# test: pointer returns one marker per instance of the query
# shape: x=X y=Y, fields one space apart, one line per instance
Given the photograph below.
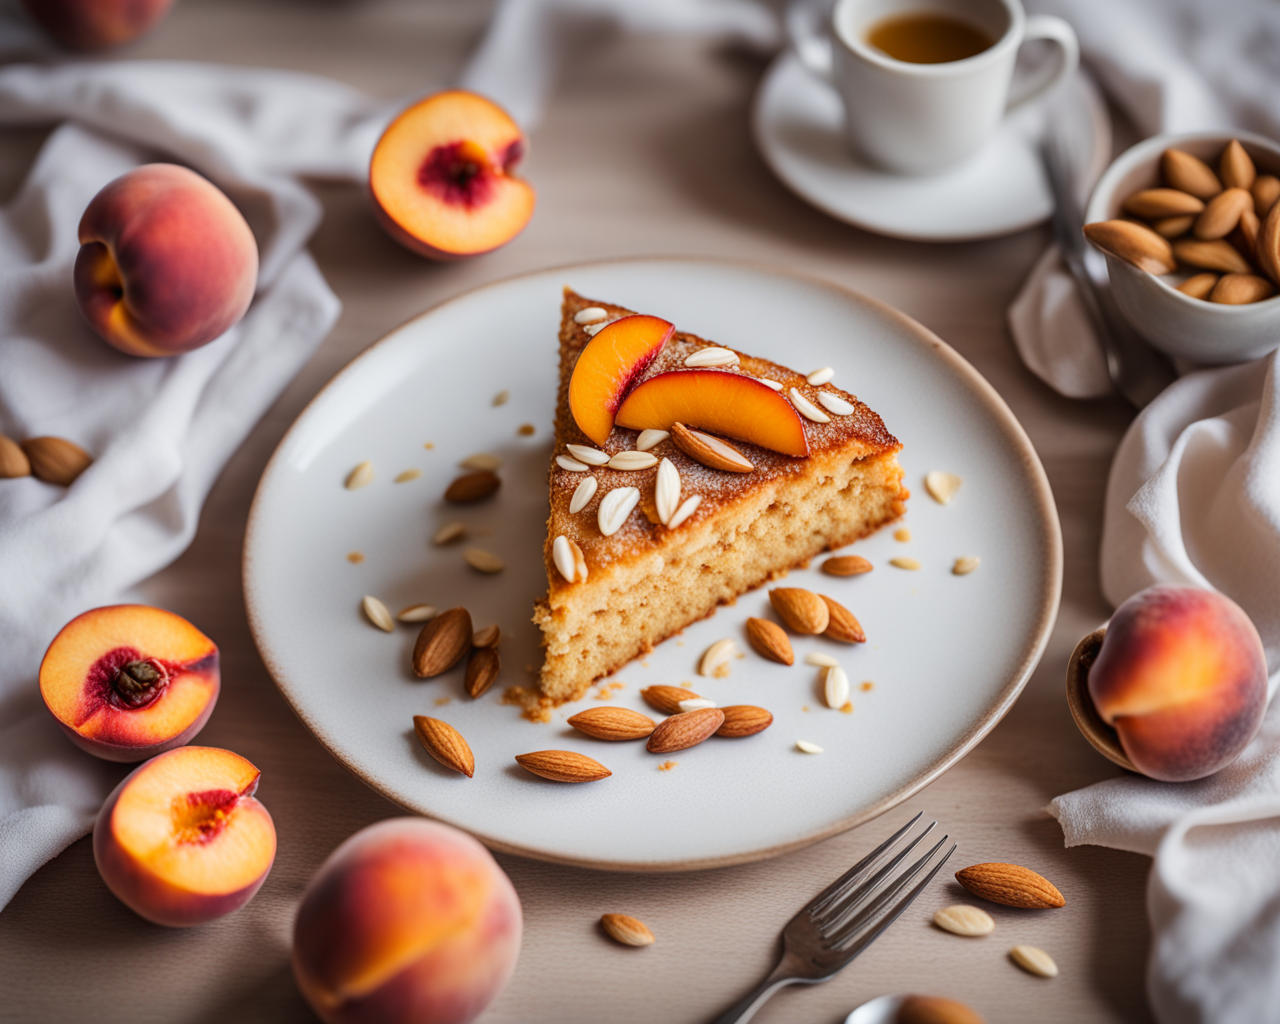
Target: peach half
x=166 y=262
x=609 y=365
x=408 y=922
x=127 y=681
x=442 y=177
x=1182 y=678
x=88 y=25
x=182 y=840
x=725 y=403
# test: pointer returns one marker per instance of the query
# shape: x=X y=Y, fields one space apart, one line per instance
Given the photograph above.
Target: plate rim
x=1049 y=597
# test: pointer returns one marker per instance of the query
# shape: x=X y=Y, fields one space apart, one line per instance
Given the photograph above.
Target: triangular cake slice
x=621 y=582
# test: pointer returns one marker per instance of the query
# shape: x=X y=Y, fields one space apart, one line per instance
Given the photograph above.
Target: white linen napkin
x=161 y=429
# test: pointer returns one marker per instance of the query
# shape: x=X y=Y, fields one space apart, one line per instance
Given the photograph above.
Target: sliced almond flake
x=942 y=487
x=835 y=687
x=820 y=376
x=596 y=328
x=450 y=532
x=904 y=563
x=695 y=704
x=584 y=453
x=572 y=465
x=712 y=356
x=501 y=398
x=584 y=493
x=716 y=657
x=633 y=460
x=770 y=383
x=807 y=409
x=407 y=475
x=615 y=507
x=590 y=315
x=686 y=509
x=579 y=562
x=377 y=613
x=962 y=919
x=481 y=460
x=966 y=565
x=805 y=747
x=484 y=561
x=417 y=613
x=834 y=403
x=359 y=477
x=820 y=659
x=562 y=555
x=666 y=491
x=1035 y=961
x=649 y=438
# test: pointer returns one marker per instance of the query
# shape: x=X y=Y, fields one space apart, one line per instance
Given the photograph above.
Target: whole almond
x=1188 y=173
x=666 y=698
x=13 y=460
x=743 y=720
x=613 y=724
x=1158 y=203
x=1235 y=168
x=1199 y=286
x=935 y=1010
x=964 y=920
x=802 y=610
x=768 y=640
x=482 y=669
x=55 y=460
x=1172 y=227
x=1213 y=255
x=710 y=451
x=473 y=486
x=1222 y=214
x=1266 y=190
x=846 y=565
x=1240 y=289
x=563 y=766
x=1010 y=884
x=841 y=624
x=443 y=742
x=1267 y=250
x=1132 y=243
x=442 y=643
x=626 y=929
x=487 y=637
x=688 y=729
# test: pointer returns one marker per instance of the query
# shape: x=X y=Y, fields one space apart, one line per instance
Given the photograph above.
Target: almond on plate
x=768 y=640
x=743 y=720
x=666 y=698
x=626 y=929
x=688 y=729
x=443 y=742
x=442 y=643
x=563 y=766
x=613 y=723
x=801 y=610
x=1011 y=885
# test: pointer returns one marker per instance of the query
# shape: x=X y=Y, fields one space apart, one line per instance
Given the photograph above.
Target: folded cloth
x=160 y=429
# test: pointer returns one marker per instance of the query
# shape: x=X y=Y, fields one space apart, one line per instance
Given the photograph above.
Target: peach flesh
x=608 y=366
x=1182 y=678
x=182 y=840
x=88 y=25
x=407 y=921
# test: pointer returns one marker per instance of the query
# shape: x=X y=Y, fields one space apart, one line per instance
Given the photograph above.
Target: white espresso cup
x=924 y=118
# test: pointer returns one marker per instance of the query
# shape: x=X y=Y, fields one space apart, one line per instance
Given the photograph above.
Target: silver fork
x=844 y=919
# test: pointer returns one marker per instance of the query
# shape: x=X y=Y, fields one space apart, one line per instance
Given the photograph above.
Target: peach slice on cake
x=608 y=366
x=127 y=681
x=442 y=177
x=182 y=840
x=720 y=401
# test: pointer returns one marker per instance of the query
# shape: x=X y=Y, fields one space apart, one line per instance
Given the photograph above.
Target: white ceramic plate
x=947 y=654
x=798 y=127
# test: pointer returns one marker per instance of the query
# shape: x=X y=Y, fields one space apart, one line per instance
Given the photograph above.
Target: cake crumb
x=527 y=430
x=429 y=445
x=721 y=672
x=442 y=701
x=355 y=557
x=902 y=534
x=501 y=398
x=534 y=706
x=666 y=766
x=607 y=690
x=867 y=686
x=804 y=707
x=847 y=708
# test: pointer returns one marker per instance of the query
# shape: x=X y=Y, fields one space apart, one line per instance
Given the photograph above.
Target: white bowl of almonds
x=1190 y=228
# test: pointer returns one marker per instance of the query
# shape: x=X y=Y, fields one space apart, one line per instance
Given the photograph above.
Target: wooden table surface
x=645 y=150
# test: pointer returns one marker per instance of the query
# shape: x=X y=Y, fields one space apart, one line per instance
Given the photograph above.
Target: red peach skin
x=87 y=25
x=408 y=922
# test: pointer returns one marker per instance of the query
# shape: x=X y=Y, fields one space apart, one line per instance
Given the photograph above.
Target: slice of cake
x=685 y=474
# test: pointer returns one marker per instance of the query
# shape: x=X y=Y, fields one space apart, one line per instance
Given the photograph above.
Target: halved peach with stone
x=442 y=177
x=182 y=840
x=609 y=365
x=128 y=681
x=722 y=402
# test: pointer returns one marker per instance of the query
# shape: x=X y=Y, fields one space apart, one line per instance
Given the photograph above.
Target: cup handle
x=807 y=22
x=1055 y=30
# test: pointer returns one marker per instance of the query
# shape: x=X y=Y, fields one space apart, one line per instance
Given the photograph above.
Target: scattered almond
x=417 y=613
x=473 y=487
x=841 y=624
x=487 y=637
x=666 y=698
x=629 y=461
x=615 y=507
x=710 y=451
x=696 y=704
x=965 y=565
x=1011 y=885
x=687 y=508
x=835 y=687
x=55 y=460
x=359 y=477
x=585 y=453
x=801 y=610
x=481 y=460
x=715 y=660
x=1034 y=960
x=743 y=720
x=442 y=643
x=768 y=640
x=805 y=747
x=942 y=487
x=909 y=564
x=1240 y=289
x=482 y=669
x=450 y=532
x=1222 y=214
x=563 y=766
x=1133 y=243
x=806 y=408
x=1198 y=286
x=613 y=723
x=407 y=475
x=13 y=460
x=1212 y=255
x=846 y=565
x=582 y=494
x=902 y=535
x=688 y=729
x=627 y=930
x=935 y=1010
x=443 y=742
x=483 y=561
x=650 y=438
x=964 y=920
x=501 y=398
x=1235 y=167
x=712 y=355
x=820 y=659
x=376 y=612
x=1189 y=174
x=819 y=377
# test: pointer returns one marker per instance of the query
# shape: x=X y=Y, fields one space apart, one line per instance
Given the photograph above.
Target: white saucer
x=798 y=127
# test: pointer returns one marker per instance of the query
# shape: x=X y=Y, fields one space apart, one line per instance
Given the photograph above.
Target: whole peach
x=409 y=920
x=166 y=262
x=1182 y=678
x=96 y=24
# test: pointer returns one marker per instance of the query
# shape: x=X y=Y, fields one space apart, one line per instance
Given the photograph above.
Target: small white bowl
x=1204 y=332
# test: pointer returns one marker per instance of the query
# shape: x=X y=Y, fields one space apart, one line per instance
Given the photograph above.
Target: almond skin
x=563 y=766
x=1214 y=255
x=13 y=460
x=688 y=729
x=1235 y=167
x=666 y=698
x=627 y=930
x=934 y=1010
x=1158 y=203
x=1172 y=227
x=1132 y=243
x=1011 y=885
x=1240 y=289
x=443 y=742
x=482 y=669
x=613 y=724
x=55 y=460
x=768 y=640
x=846 y=565
x=1189 y=174
x=1267 y=250
x=1222 y=214
x=695 y=444
x=743 y=720
x=1265 y=190
x=472 y=487
x=442 y=643
x=1199 y=286
x=487 y=637
x=802 y=610
x=842 y=625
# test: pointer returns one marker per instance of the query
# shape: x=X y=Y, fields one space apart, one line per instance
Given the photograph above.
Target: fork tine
x=838 y=888
x=838 y=938
x=842 y=907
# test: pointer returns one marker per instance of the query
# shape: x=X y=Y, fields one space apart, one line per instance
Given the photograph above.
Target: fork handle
x=745 y=1008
